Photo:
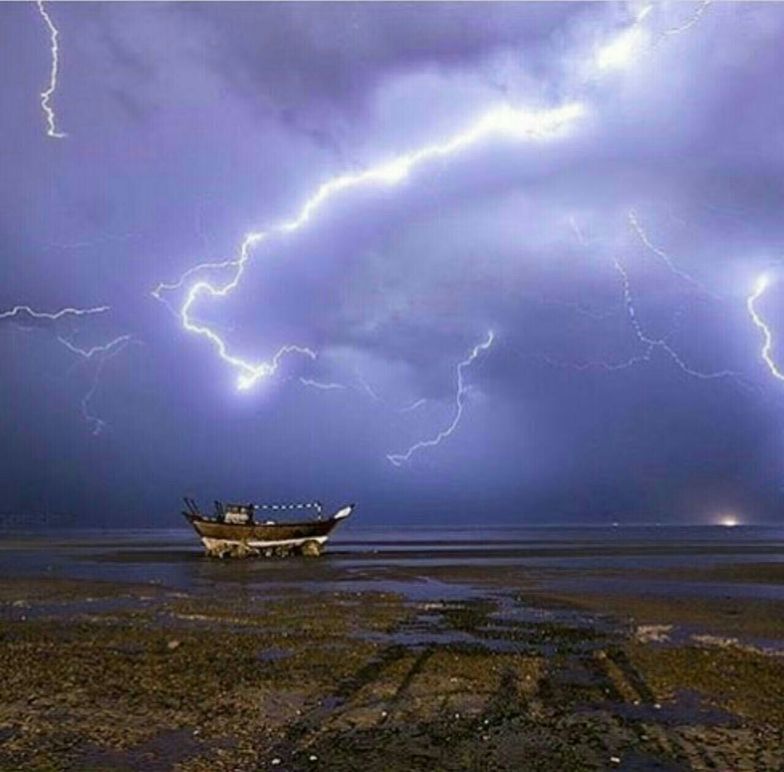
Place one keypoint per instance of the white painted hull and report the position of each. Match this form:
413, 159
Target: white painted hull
213, 544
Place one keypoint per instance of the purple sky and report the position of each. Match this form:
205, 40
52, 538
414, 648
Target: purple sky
611, 256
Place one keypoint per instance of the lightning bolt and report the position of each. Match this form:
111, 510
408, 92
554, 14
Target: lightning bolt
17, 311
649, 343
619, 52
413, 406
500, 123
763, 282
324, 386
27, 312
89, 353
366, 387
503, 122
577, 230
691, 21
46, 95
398, 459
652, 344
106, 352
661, 254
103, 352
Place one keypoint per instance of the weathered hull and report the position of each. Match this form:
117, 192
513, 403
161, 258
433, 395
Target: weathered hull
239, 540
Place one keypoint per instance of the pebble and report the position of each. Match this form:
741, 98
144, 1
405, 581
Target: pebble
615, 759
275, 762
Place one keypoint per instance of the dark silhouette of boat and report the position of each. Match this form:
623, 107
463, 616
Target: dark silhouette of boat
236, 530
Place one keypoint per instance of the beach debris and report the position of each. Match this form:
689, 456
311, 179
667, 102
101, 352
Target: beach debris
653, 633
173, 644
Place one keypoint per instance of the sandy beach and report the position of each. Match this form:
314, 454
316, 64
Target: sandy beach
387, 661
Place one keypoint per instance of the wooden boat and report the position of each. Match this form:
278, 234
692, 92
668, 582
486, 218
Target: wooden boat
236, 530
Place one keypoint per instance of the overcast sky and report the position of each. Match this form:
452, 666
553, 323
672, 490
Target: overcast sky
611, 252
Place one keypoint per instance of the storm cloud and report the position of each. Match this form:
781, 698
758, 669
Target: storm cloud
612, 261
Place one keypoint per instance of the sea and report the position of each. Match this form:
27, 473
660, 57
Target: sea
427, 562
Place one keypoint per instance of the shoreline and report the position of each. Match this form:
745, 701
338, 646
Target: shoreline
364, 663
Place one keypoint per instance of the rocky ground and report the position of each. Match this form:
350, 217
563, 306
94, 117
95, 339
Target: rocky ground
100, 676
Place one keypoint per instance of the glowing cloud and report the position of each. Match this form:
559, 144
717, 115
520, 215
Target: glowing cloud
619, 53
500, 123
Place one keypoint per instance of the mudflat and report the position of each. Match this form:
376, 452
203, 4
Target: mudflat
369, 663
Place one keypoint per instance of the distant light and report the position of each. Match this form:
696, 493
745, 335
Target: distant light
729, 521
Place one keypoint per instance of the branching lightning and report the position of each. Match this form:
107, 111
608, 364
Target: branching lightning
652, 344
398, 459
500, 123
106, 352
661, 254
51, 130
763, 282
23, 313
89, 353
102, 352
503, 122
649, 344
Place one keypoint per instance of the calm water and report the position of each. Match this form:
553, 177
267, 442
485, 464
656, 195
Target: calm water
420, 562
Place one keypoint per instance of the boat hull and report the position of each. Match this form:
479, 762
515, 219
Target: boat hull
222, 539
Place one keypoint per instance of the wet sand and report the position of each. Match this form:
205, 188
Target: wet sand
391, 659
